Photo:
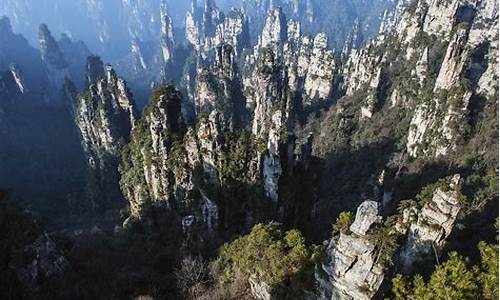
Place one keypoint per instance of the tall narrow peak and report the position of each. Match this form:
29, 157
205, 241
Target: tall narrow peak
51, 53
234, 31
218, 89
270, 115
353, 270
167, 33
53, 57
211, 17
147, 177
94, 70
105, 115
275, 28
192, 27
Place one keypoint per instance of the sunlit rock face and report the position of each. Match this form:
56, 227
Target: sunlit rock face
275, 29
12, 85
105, 115
167, 34
321, 70
457, 65
441, 101
233, 31
352, 271
429, 228
174, 163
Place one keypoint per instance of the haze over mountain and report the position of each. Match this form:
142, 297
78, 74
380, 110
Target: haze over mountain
251, 149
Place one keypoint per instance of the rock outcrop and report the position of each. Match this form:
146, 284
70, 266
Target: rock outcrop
352, 271
75, 53
147, 157
192, 32
207, 32
287, 73
233, 31
11, 85
172, 167
318, 83
439, 123
53, 57
354, 268
218, 88
428, 229
274, 32
268, 99
167, 34
105, 115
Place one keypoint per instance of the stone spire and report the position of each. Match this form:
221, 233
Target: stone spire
167, 33
51, 53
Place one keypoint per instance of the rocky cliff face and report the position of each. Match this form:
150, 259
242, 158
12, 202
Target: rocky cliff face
451, 96
436, 73
290, 74
12, 84
310, 64
287, 73
432, 84
413, 71
64, 59
24, 63
269, 119
288, 130
207, 31
75, 53
355, 267
352, 270
105, 115
234, 31
337, 19
428, 229
275, 29
167, 34
91, 21
188, 171
149, 151
53, 57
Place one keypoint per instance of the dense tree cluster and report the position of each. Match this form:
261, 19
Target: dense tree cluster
455, 279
